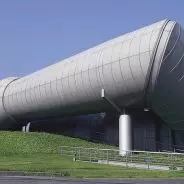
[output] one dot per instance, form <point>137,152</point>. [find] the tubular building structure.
<point>141,69</point>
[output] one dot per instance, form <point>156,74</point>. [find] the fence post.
<point>74,158</point>
<point>79,153</point>
<point>172,162</point>
<point>148,160</point>
<point>90,154</point>
<point>169,162</point>
<point>127,159</point>
<point>107,157</point>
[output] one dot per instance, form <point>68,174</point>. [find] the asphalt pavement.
<point>49,180</point>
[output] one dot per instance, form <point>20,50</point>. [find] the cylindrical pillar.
<point>28,127</point>
<point>125,134</point>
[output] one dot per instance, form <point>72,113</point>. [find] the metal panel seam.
<point>4,108</point>
<point>172,50</point>
<point>152,59</point>
<point>131,71</point>
<point>121,69</point>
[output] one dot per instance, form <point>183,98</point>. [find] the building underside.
<point>140,70</point>
<point>149,132</point>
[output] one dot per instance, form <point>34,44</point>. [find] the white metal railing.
<point>169,159</point>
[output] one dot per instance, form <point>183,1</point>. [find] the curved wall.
<point>168,94</point>
<point>128,68</point>
<point>4,114</point>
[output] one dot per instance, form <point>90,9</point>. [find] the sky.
<point>38,33</point>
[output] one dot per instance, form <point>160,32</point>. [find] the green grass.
<point>56,165</point>
<point>17,143</point>
<point>39,152</point>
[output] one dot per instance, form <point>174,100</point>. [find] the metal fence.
<point>139,159</point>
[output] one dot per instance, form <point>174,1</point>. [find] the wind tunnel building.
<point>138,70</point>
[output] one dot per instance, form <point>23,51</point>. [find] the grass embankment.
<point>18,143</point>
<point>39,152</point>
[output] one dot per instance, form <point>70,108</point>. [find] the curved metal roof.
<point>168,94</point>
<point>135,69</point>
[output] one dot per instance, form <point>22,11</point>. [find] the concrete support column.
<point>125,134</point>
<point>26,128</point>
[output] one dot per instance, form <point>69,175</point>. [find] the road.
<point>46,180</point>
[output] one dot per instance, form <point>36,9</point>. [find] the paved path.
<point>46,180</point>
<point>136,165</point>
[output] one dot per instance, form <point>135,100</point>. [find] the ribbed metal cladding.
<point>126,67</point>
<point>4,115</point>
<point>168,94</point>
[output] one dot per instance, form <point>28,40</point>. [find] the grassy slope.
<point>13,143</point>
<point>39,152</point>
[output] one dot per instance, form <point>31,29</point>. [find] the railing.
<point>141,159</point>
<point>162,147</point>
